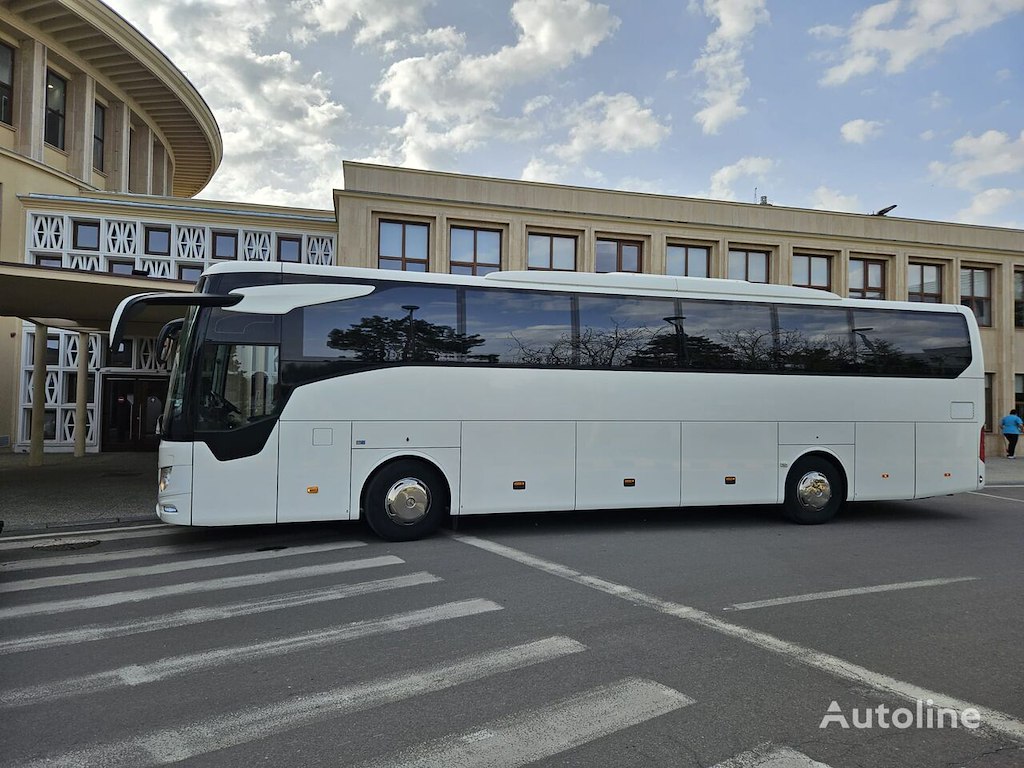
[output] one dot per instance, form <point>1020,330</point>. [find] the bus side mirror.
<point>167,339</point>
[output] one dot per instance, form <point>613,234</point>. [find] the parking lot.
<point>668,637</point>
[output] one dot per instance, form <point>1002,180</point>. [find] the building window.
<point>225,245</point>
<point>403,245</point>
<point>924,283</point>
<point>56,103</point>
<point>1018,299</point>
<point>688,260</point>
<point>618,256</point>
<point>1018,393</point>
<point>474,251</point>
<point>553,252</point>
<point>867,279</point>
<point>811,271</point>
<point>120,267</point>
<point>158,241</point>
<point>6,84</point>
<point>748,265</point>
<point>988,401</point>
<point>49,261</point>
<point>99,125</point>
<point>289,249</point>
<point>85,235</point>
<point>976,292</point>
<point>190,274</point>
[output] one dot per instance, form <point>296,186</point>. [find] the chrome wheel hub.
<point>813,490</point>
<point>407,502</point>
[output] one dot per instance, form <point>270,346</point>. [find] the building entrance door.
<point>131,406</point>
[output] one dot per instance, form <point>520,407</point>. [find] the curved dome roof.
<point>127,59</point>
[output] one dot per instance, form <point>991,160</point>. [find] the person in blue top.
<point>1012,426</point>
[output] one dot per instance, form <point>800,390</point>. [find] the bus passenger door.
<point>237,491</point>
<point>315,471</point>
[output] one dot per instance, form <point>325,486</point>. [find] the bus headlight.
<point>165,478</point>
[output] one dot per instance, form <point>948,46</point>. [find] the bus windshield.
<point>238,385</point>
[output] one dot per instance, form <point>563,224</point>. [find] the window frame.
<point>866,287</point>
<point>297,240</point>
<point>99,129</point>
<point>475,265</point>
<point>687,248</point>
<point>922,296</point>
<point>7,88</point>
<point>747,253</point>
<point>551,237</point>
<point>76,226</point>
<point>404,260</point>
<point>985,319</point>
<point>55,116</point>
<point>811,257</point>
<point>146,230</point>
<point>219,234</point>
<point>619,243</point>
<point>1018,298</point>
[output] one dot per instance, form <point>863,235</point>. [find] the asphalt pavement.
<point>109,488</point>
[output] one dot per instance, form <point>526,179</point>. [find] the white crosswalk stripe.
<point>211,585</point>
<point>771,756</point>
<point>171,567</point>
<point>101,534</point>
<point>535,735</point>
<point>190,616</point>
<point>267,720</point>
<point>140,674</point>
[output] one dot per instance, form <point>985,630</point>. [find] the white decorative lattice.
<point>147,354</point>
<point>122,237</point>
<point>69,357</point>
<point>256,246</point>
<point>320,250</point>
<point>94,351</point>
<point>48,232</point>
<point>191,242</point>
<point>90,262</point>
<point>157,267</point>
<point>67,425</point>
<point>52,387</point>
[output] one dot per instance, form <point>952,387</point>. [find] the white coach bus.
<point>303,393</point>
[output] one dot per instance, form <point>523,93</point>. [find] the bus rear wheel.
<point>814,491</point>
<point>405,500</point>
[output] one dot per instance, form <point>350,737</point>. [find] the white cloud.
<point>825,199</point>
<point>277,118</point>
<point>452,100</point>
<point>723,179</point>
<point>937,100</point>
<point>860,130</point>
<point>376,19</point>
<point>539,169</point>
<point>986,204</point>
<point>892,35</point>
<point>926,135</point>
<point>721,62</point>
<point>615,123</point>
<point>994,153</point>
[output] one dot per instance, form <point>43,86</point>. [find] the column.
<point>79,126</point>
<point>140,160</point>
<point>118,117</point>
<point>35,455</point>
<point>82,395</point>
<point>30,73</point>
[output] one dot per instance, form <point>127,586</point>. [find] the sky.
<point>838,105</point>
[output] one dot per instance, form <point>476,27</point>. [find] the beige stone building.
<point>103,143</point>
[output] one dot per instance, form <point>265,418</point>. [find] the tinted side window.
<point>627,332</point>
<point>519,327</point>
<point>814,340</point>
<point>395,323</point>
<point>726,336</point>
<point>901,343</point>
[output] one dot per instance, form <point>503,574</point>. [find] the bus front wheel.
<point>405,500</point>
<point>814,491</point>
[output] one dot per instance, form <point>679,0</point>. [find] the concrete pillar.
<point>82,395</point>
<point>35,455</point>
<point>118,152</point>
<point>29,111</point>
<point>79,126</point>
<point>140,161</point>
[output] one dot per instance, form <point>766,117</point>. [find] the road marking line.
<point>175,666</point>
<point>133,532</point>
<point>215,613</point>
<point>85,557</point>
<point>994,496</point>
<point>1011,485</point>
<point>770,756</point>
<point>846,593</point>
<point>195,587</point>
<point>535,735</point>
<point>173,567</point>
<point>211,734</point>
<point>991,720</point>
